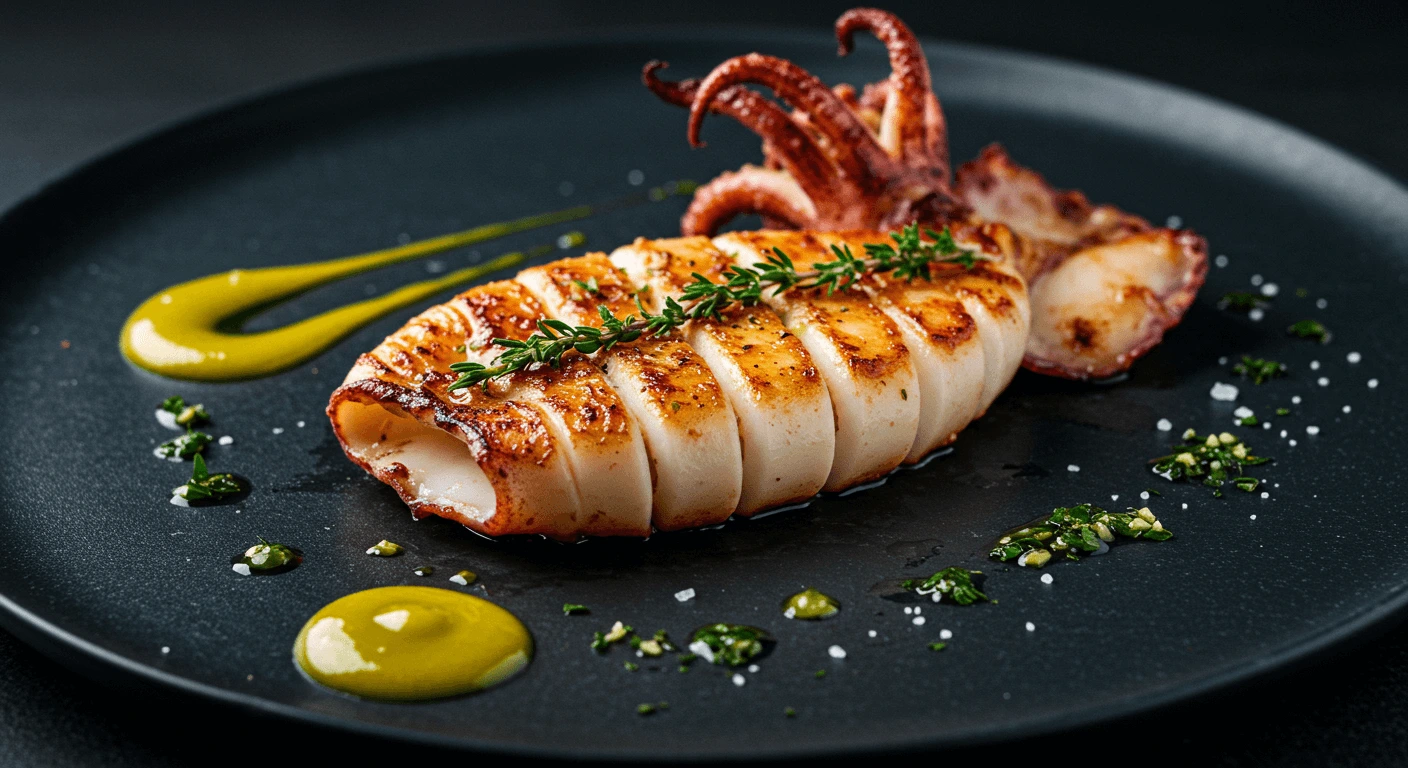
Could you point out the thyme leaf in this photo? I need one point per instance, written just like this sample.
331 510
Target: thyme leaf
911 256
1310 329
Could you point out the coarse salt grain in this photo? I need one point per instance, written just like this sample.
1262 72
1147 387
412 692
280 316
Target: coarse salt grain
1257 279
1314 365
1295 400
1283 434
1321 303
1265 495
1345 409
166 649
1291 442
240 568
1164 425
753 668
1373 383
919 621
945 634
1312 430
301 424
1114 497
1185 505
1253 517
1323 381
739 680
1270 289
1266 425
1222 360
1144 495
1242 412
278 430
226 440
1046 578
1221 260
685 595
1224 392
1072 468
1354 357
1031 627
1256 314
836 652
871 633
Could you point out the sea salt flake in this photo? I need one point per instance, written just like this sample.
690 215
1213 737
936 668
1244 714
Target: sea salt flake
1224 392
1373 383
1031 627
1242 412
739 680
1046 578
919 621
1270 289
1354 357
1257 279
945 634
226 440
1256 314
1164 425
1312 430
836 652
1072 468
1346 409
278 430
1321 303
1295 400
1221 260
1323 381
685 595
240 568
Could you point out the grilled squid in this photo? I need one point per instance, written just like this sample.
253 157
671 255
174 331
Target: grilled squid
1105 284
760 406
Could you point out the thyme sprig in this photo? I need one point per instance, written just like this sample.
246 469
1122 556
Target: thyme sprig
911 256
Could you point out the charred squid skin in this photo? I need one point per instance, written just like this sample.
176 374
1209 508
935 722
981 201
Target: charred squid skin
791 147
858 157
916 120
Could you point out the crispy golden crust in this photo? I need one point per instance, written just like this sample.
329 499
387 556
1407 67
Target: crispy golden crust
502 437
872 345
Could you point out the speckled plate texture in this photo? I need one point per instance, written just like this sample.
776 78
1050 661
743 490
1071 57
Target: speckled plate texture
99 570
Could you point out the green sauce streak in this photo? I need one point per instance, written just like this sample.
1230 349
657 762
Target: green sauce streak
192 330
1075 532
811 605
732 644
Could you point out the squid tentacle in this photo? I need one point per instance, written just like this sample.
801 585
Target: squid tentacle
912 125
786 144
858 157
772 194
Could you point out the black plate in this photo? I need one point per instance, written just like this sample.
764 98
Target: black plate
355 163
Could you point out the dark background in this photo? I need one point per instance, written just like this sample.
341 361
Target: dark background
80 78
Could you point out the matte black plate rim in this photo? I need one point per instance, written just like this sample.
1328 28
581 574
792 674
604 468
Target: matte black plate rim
80 654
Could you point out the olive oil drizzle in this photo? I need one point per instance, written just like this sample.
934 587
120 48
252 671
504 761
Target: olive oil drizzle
191 330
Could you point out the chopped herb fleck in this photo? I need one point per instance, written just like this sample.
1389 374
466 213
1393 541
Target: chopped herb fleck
269 557
461 348
732 644
1241 301
1310 329
590 287
186 415
1283 411
204 486
631 666
937 646
1259 370
185 446
650 709
1075 532
385 548
953 582
1217 459
820 673
789 712
570 608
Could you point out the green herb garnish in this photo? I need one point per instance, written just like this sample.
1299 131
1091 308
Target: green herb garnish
269 557
601 641
1283 411
789 712
185 446
631 666
650 709
731 644
186 415
937 646
385 548
570 608
590 287
953 582
204 486
820 673
911 256
1240 301
1217 459
1310 329
1075 532
1259 370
